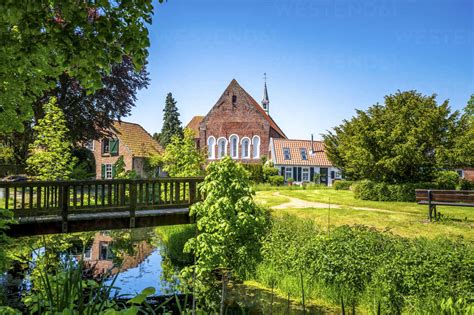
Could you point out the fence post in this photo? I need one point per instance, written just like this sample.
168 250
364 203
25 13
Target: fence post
192 192
133 202
429 204
64 194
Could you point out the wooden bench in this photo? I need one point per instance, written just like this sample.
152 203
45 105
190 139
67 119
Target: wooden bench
435 197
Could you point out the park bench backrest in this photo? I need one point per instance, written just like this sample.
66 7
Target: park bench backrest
445 196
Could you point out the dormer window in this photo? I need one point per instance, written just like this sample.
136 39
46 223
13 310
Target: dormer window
304 155
286 154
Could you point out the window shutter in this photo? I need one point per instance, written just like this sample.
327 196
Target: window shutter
114 147
299 174
102 174
282 171
113 171
311 174
295 173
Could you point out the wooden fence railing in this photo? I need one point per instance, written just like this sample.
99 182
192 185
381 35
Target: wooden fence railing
41 198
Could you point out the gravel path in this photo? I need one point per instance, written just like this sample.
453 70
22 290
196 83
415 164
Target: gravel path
296 203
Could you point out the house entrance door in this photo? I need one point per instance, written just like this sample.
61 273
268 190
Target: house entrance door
323 172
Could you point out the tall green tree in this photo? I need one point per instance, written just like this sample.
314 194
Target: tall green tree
51 153
45 39
181 157
171 123
401 141
461 154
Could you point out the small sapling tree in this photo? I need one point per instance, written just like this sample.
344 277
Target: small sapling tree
51 153
230 226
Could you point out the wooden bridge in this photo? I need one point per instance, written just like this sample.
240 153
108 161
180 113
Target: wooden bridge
48 207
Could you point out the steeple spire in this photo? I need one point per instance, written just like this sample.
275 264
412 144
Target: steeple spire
266 100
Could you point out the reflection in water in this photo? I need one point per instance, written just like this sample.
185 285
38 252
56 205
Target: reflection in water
134 259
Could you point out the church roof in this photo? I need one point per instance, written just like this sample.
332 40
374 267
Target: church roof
194 125
259 109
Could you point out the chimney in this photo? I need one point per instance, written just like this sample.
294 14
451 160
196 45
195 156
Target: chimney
312 144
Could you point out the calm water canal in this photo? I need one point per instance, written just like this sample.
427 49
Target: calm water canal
134 260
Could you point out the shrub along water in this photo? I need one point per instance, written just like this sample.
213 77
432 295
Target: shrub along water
365 268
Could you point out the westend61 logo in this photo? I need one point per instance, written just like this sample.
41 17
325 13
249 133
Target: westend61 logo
337 8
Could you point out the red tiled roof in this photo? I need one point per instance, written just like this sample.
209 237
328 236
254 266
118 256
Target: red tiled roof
194 125
318 158
136 138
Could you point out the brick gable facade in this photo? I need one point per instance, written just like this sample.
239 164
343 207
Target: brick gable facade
237 126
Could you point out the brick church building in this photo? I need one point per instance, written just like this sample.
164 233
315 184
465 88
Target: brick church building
236 126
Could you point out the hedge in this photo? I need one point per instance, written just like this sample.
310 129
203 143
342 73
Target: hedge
342 184
370 190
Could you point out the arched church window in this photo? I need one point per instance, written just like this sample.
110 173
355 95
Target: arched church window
246 148
234 146
256 147
221 147
211 147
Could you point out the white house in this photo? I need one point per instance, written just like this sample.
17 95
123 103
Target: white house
303 160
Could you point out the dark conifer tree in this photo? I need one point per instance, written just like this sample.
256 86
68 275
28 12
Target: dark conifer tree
171 123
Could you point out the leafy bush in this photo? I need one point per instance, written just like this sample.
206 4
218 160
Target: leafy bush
255 172
447 179
465 184
269 170
276 180
367 267
342 184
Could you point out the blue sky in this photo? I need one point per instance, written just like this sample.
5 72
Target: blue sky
323 58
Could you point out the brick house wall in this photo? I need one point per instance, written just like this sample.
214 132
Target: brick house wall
134 144
237 113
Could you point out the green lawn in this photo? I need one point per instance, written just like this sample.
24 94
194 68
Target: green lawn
403 218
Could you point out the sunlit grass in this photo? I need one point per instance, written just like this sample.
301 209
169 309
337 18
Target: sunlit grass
405 218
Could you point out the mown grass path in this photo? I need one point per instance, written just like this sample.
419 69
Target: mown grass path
402 218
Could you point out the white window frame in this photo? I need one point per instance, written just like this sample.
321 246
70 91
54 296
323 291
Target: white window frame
108 168
242 142
305 171
289 154
211 148
234 137
255 147
288 173
219 141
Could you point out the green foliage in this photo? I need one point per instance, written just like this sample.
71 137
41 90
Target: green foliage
269 170
85 167
404 140
171 123
370 190
230 225
120 172
66 292
276 180
365 267
5 219
447 179
82 39
342 184
465 184
51 152
181 158
256 174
